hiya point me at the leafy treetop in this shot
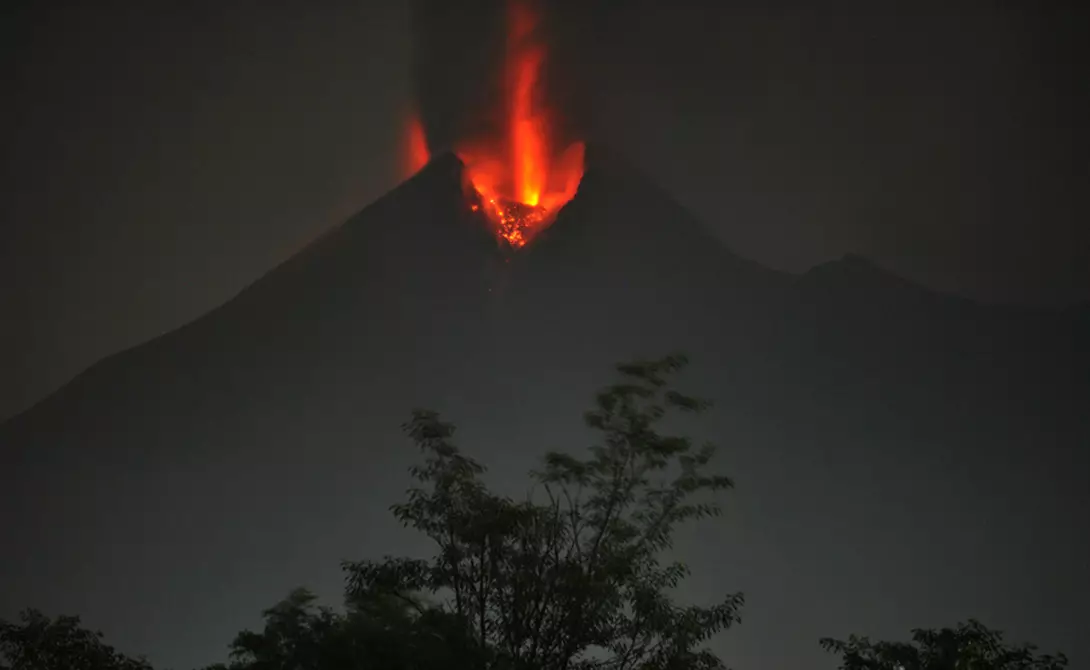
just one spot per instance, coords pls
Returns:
(37, 642)
(968, 646)
(571, 578)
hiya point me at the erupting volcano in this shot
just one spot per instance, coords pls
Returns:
(517, 178)
(298, 383)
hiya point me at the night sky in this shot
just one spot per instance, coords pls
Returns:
(160, 159)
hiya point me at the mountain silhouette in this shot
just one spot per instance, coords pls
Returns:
(892, 444)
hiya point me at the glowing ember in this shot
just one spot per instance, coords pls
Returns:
(522, 194)
(515, 221)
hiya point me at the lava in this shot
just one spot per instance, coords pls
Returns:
(518, 179)
(521, 181)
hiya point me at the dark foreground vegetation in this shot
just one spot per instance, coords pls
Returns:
(572, 577)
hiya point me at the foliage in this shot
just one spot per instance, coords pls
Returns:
(969, 646)
(570, 578)
(393, 632)
(40, 643)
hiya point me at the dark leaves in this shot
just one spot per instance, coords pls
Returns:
(537, 583)
(969, 646)
(38, 642)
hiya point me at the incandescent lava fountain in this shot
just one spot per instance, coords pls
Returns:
(517, 178)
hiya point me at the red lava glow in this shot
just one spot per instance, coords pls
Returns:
(416, 153)
(518, 178)
(521, 180)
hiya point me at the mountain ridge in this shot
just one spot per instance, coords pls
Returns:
(218, 465)
(852, 272)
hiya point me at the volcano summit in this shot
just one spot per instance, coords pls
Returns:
(515, 173)
(187, 483)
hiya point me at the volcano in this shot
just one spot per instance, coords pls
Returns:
(170, 492)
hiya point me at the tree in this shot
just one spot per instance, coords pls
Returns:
(380, 633)
(297, 634)
(570, 577)
(969, 646)
(40, 643)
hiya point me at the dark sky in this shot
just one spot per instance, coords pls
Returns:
(158, 159)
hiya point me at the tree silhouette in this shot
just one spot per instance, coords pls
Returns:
(40, 643)
(969, 646)
(387, 632)
(571, 576)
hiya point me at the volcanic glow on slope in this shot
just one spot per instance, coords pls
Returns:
(520, 180)
(416, 153)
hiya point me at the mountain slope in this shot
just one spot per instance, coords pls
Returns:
(172, 491)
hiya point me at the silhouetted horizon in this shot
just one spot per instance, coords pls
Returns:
(865, 421)
(160, 161)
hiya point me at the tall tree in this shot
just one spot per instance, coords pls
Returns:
(37, 642)
(572, 576)
(968, 646)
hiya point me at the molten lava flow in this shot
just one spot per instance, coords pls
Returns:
(416, 150)
(520, 181)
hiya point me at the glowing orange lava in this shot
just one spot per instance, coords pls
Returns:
(520, 180)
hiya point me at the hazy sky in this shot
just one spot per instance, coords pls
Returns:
(158, 159)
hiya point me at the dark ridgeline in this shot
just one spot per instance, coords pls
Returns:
(891, 444)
